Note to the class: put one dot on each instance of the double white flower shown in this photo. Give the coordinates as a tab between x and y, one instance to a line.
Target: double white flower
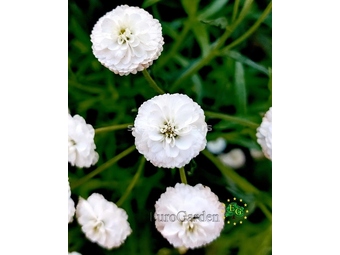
189	216
264	134
102	221
127	39
170	130
81	146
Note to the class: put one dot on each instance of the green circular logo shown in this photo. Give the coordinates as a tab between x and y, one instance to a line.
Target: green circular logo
235	211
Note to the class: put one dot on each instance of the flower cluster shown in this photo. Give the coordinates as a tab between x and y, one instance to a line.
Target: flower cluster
81	146
170	130
127	39
189	230
264	134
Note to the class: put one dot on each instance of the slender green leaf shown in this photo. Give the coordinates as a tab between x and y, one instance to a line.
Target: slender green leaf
190	6
202	37
221	22
244	60
148	3
211	9
240	89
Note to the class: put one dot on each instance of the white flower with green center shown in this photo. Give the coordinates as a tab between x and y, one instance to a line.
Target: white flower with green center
189	216
264	134
127	39
81	146
102	221
170	130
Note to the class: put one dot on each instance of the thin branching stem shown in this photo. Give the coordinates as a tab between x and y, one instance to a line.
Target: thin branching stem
103	167
132	183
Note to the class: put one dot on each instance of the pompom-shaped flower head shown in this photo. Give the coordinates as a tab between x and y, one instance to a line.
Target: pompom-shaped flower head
71	208
102	221
264	134
189	216
81	146
127	39
170	130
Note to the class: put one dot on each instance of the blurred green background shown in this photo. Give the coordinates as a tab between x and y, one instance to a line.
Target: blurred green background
232	79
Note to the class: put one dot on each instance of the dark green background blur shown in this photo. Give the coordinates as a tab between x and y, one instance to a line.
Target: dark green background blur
236	83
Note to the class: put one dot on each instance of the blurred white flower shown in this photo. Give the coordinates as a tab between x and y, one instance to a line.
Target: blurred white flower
189	216
170	130
81	146
217	146
102	221
264	134
256	154
71	208
74	253
234	158
127	39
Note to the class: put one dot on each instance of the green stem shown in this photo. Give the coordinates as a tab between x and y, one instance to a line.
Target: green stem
193	69
265	210
132	183
230	173
214	48
103	167
82	87
151	82
182	174
112	128
235	10
240	181
250	30
238	120
175	47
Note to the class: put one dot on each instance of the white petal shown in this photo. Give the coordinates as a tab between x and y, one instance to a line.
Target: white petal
184	142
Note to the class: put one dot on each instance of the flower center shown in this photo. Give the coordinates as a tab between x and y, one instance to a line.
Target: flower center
189	225
124	35
169	130
71	143
99	224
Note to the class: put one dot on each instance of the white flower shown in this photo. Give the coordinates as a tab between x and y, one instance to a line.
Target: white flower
217	146
81	146
189	216
234	158
127	39
74	253
170	130
102	221
71	208
264	134
256	154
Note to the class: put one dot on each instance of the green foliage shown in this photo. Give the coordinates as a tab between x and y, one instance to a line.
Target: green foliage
197	60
